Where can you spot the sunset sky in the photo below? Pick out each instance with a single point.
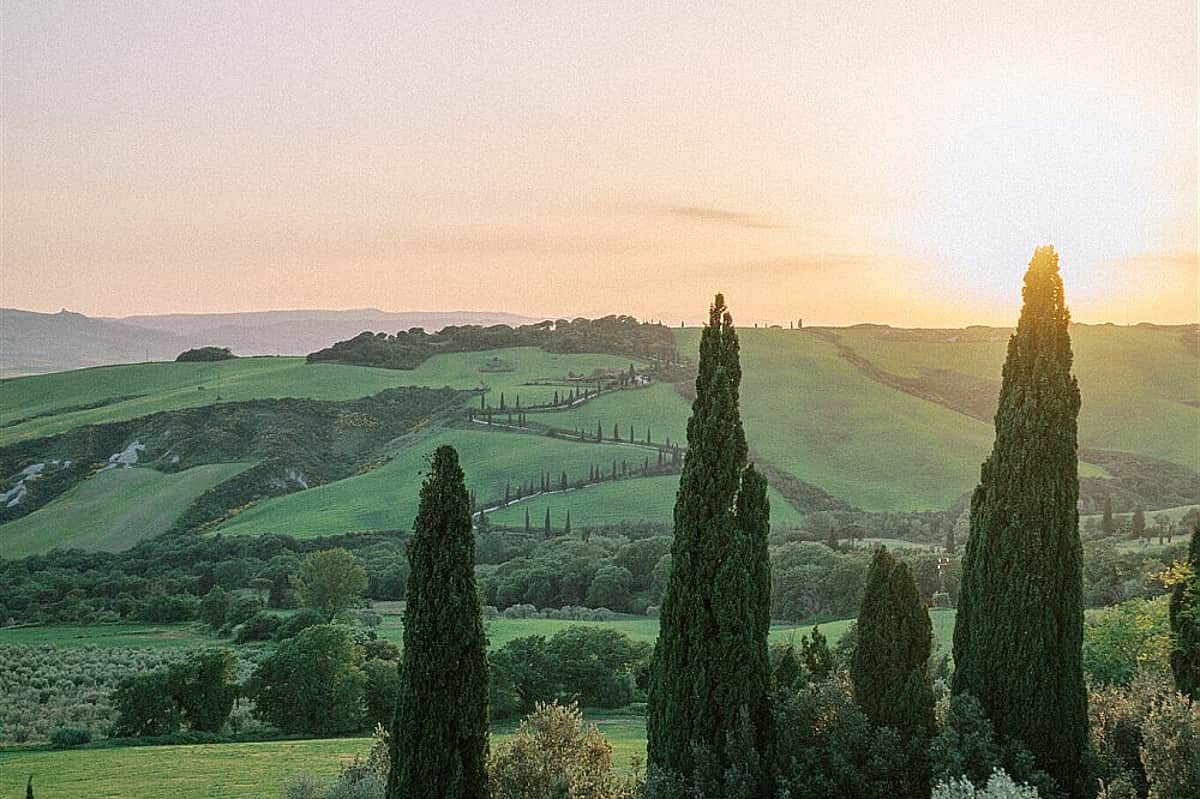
(838, 161)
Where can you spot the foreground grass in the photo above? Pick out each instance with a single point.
(242, 770)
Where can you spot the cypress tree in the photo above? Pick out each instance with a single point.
(440, 737)
(710, 673)
(1185, 623)
(895, 638)
(1106, 521)
(567, 524)
(1139, 523)
(1019, 631)
(527, 527)
(549, 531)
(951, 544)
(29, 788)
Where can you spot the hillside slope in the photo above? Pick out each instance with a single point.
(870, 417)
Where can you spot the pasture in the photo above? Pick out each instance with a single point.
(229, 771)
(113, 510)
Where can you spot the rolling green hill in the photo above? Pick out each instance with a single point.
(113, 510)
(880, 418)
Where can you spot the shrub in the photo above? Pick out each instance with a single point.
(259, 627)
(302, 620)
(145, 706)
(1171, 748)
(66, 737)
(213, 607)
(311, 683)
(381, 689)
(999, 786)
(552, 755)
(241, 610)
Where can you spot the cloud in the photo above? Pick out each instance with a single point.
(721, 216)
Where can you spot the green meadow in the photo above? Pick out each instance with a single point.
(230, 771)
(113, 510)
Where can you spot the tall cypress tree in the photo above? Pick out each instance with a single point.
(1106, 521)
(1019, 632)
(895, 638)
(1185, 624)
(710, 670)
(440, 737)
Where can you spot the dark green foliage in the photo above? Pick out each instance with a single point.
(198, 692)
(1138, 529)
(1019, 631)
(711, 669)
(621, 335)
(242, 609)
(29, 788)
(610, 588)
(1106, 520)
(259, 627)
(440, 738)
(301, 620)
(828, 748)
(331, 581)
(213, 607)
(66, 737)
(204, 354)
(381, 690)
(895, 638)
(814, 652)
(1185, 624)
(967, 746)
(595, 666)
(787, 672)
(204, 688)
(311, 684)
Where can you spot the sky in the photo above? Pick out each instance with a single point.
(837, 162)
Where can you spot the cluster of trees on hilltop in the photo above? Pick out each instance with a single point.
(618, 335)
(205, 354)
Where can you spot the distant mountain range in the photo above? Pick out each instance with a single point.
(36, 343)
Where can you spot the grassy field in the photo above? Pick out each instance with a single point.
(1135, 381)
(228, 771)
(658, 407)
(386, 498)
(812, 414)
(808, 412)
(166, 386)
(112, 510)
(650, 499)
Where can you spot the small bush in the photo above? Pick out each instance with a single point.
(66, 737)
(301, 621)
(999, 786)
(259, 627)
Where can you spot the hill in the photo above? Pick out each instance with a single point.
(870, 422)
(39, 343)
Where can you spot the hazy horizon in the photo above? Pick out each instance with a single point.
(842, 164)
